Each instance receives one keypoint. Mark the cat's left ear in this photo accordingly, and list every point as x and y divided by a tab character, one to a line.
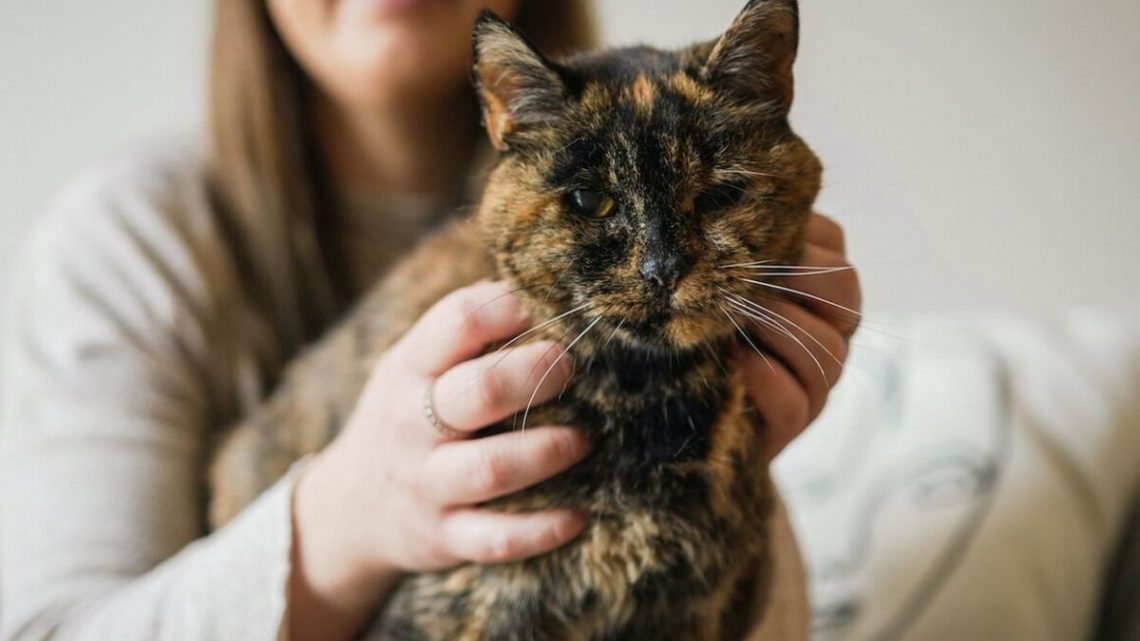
753	59
518	87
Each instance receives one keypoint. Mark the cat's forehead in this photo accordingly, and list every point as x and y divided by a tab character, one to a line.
649	138
640	112
636	76
621	66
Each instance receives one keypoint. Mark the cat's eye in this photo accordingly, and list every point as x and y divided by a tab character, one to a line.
720	196
590	203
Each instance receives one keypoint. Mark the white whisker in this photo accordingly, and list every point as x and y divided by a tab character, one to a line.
771	266
768	269
761	316
540	326
802	293
745	172
788	272
746	337
795	325
550	369
749	264
617	329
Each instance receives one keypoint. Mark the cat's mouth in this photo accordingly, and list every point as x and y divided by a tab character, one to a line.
668	328
685	319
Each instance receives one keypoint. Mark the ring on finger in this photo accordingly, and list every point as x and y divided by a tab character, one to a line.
441	428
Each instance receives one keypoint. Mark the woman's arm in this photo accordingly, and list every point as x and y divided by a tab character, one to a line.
105	415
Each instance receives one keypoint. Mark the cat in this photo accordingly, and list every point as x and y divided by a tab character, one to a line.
631	185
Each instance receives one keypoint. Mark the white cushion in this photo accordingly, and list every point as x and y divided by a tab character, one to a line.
969	478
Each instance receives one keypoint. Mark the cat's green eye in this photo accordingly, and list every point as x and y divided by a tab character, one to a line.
590	203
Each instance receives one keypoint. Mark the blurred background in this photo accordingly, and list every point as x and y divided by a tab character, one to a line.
981	153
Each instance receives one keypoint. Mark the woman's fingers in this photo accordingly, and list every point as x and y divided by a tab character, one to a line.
485	390
778	397
484	536
818	310
811	347
466	472
460	326
822	230
835	296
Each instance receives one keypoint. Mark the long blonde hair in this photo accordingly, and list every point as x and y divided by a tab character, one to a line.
266	176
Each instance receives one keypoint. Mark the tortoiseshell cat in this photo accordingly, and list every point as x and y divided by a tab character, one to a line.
629	182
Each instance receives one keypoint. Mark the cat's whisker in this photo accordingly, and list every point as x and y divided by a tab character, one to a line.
799	267
747	338
550	369
708	351
746	172
610	338
501	296
755	316
572	142
758	272
605	344
747	264
797	292
865	324
786	272
765	268
544	324
541	326
554	286
781	330
846	367
764	319
739	189
779	316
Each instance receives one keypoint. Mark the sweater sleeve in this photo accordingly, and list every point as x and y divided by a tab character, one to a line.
106	416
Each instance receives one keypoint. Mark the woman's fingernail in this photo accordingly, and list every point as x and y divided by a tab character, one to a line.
567	364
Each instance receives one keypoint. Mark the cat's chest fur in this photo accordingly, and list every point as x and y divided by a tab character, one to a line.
679	499
655	419
655	408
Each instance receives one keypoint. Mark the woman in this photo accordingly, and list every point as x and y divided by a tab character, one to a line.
166	290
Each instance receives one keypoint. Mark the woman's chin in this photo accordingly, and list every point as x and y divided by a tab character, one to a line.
390	8
393	61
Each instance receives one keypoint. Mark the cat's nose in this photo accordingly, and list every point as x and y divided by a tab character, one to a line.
663	271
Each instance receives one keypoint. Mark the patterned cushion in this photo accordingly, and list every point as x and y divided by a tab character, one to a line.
970	478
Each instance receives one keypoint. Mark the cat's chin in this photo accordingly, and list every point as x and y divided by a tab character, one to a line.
674	334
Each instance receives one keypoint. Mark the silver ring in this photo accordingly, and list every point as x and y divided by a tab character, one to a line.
441	428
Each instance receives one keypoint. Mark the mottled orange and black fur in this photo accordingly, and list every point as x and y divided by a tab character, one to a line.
691	157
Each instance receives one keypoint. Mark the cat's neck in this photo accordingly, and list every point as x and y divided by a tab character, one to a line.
649	375
660	405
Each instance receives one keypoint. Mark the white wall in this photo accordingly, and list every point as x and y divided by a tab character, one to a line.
80	79
980	152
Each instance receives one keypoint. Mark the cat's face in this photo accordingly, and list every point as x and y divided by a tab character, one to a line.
633	180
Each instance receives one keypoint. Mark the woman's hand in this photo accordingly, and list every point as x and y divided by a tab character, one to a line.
393	494
788	389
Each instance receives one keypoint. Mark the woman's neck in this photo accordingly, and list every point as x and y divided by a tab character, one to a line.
407	146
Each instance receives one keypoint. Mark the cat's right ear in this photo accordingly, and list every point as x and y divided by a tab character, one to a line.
518	87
